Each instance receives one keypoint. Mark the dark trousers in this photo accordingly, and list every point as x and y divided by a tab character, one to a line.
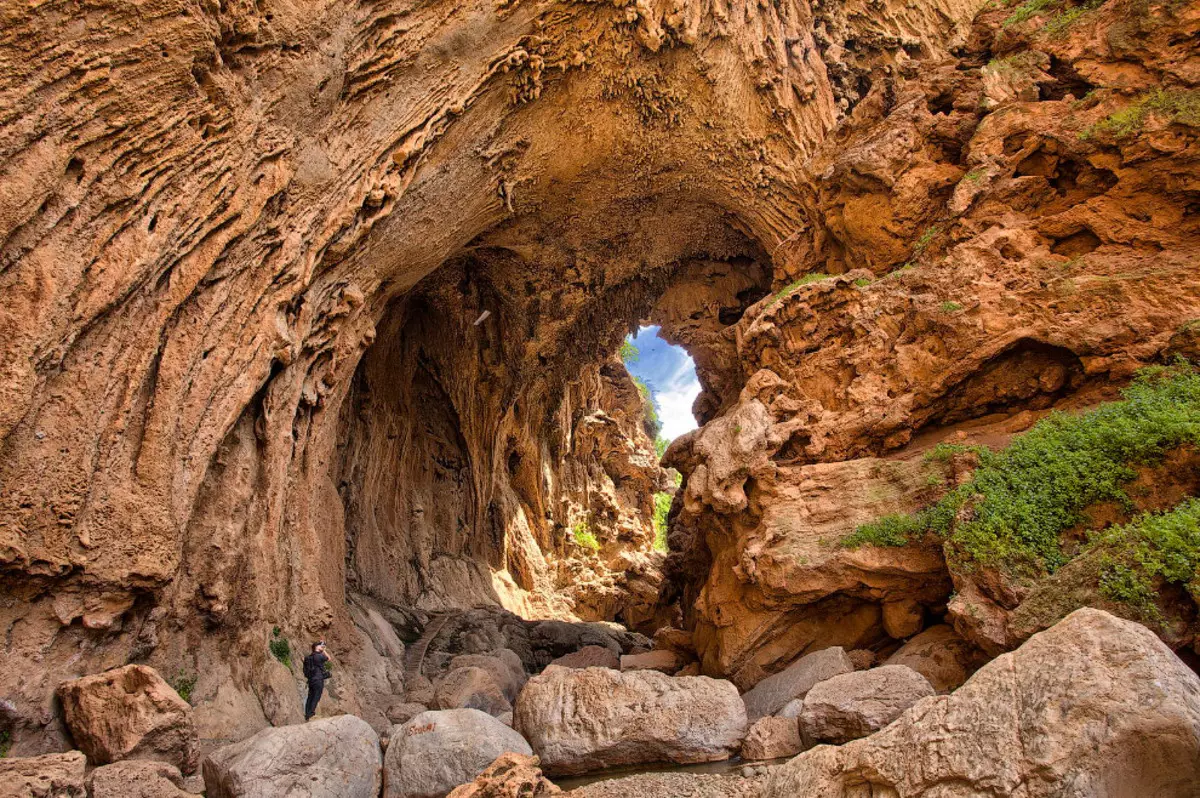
315	688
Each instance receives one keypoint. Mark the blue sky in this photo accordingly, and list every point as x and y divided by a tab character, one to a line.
671	374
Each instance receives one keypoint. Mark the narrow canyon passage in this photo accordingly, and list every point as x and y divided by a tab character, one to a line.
709	350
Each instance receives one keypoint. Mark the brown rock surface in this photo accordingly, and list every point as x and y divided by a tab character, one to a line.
661	660
854	705
1096	705
589	657
130	713
773	693
46	776
132	779
510	776
941	656
471	688
583	720
772	738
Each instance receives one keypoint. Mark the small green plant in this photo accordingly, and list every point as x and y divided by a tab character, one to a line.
927	236
280	648
945	452
1180	106
5	743
891	530
629	352
975	175
662	506
184	684
660	445
791	287
862	282
584	536
949	307
1026	11
649	407
934	481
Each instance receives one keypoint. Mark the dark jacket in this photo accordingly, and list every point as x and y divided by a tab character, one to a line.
314	666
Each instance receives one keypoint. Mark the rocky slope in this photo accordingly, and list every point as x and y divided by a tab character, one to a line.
310	311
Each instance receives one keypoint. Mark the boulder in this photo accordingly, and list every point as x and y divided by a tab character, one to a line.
854	705
772	738
791	709
1093	707
137	779
471	688
676	640
504	666
941	656
661	660
329	758
437	751
49	776
902	619
589	657
583	720
862	658
772	693
510	776
130	713
403	711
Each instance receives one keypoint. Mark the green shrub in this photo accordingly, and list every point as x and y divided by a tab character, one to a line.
5	743
584	536
1021	499
1026	11
662	506
949	307
184	685
629	352
862	282
280	648
649	407
1180	105
788	289
1154	545
660	446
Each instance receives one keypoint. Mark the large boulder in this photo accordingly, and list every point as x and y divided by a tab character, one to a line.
137	779
854	705
772	738
49	776
941	656
329	758
130	713
582	720
503	665
471	688
774	692
1095	707
510	776
437	751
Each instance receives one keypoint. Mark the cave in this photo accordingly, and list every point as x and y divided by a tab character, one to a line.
313	318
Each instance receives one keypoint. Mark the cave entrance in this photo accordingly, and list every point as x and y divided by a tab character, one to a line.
666	374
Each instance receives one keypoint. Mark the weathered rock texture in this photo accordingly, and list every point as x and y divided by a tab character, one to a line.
590	719
322	758
1095	706
435	752
130	713
775	692
772	738
854	705
133	779
47	776
510	776
309	304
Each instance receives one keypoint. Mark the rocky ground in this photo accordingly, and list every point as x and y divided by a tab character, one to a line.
674	785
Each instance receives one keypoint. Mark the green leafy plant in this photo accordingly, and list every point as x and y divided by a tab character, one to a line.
629	352
1177	105
975	175
280	648
5	743
584	536
1019	500
184	684
660	445
791	287
1061	22
1026	11
949	307
649	407
662	506
861	282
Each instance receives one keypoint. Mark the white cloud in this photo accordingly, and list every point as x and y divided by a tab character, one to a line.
675	399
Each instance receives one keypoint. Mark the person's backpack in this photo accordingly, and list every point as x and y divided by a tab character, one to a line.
311	671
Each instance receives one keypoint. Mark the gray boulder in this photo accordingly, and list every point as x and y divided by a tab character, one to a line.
471	688
583	720
503	665
330	758
437	751
137	779
774	692
854	705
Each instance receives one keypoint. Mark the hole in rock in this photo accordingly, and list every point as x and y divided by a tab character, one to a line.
667	375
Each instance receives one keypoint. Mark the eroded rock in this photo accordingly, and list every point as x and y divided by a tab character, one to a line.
471	688
583	720
773	693
941	656
47	776
772	738
510	776
856	704
1094	706
130	713
137	779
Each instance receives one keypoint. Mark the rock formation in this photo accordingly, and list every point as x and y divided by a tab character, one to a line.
311	310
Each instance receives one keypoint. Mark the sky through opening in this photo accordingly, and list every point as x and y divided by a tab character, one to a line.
671	375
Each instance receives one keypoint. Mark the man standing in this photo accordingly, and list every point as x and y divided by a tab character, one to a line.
314	670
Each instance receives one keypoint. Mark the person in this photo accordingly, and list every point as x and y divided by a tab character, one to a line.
316	673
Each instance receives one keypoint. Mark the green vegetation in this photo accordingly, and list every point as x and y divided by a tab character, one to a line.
280	648
861	282
1026	11
1063	20
5	743
1019	500
1153	546
788	289
975	175
185	684
584	536
949	307
1178	105
662	506
660	445
629	352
